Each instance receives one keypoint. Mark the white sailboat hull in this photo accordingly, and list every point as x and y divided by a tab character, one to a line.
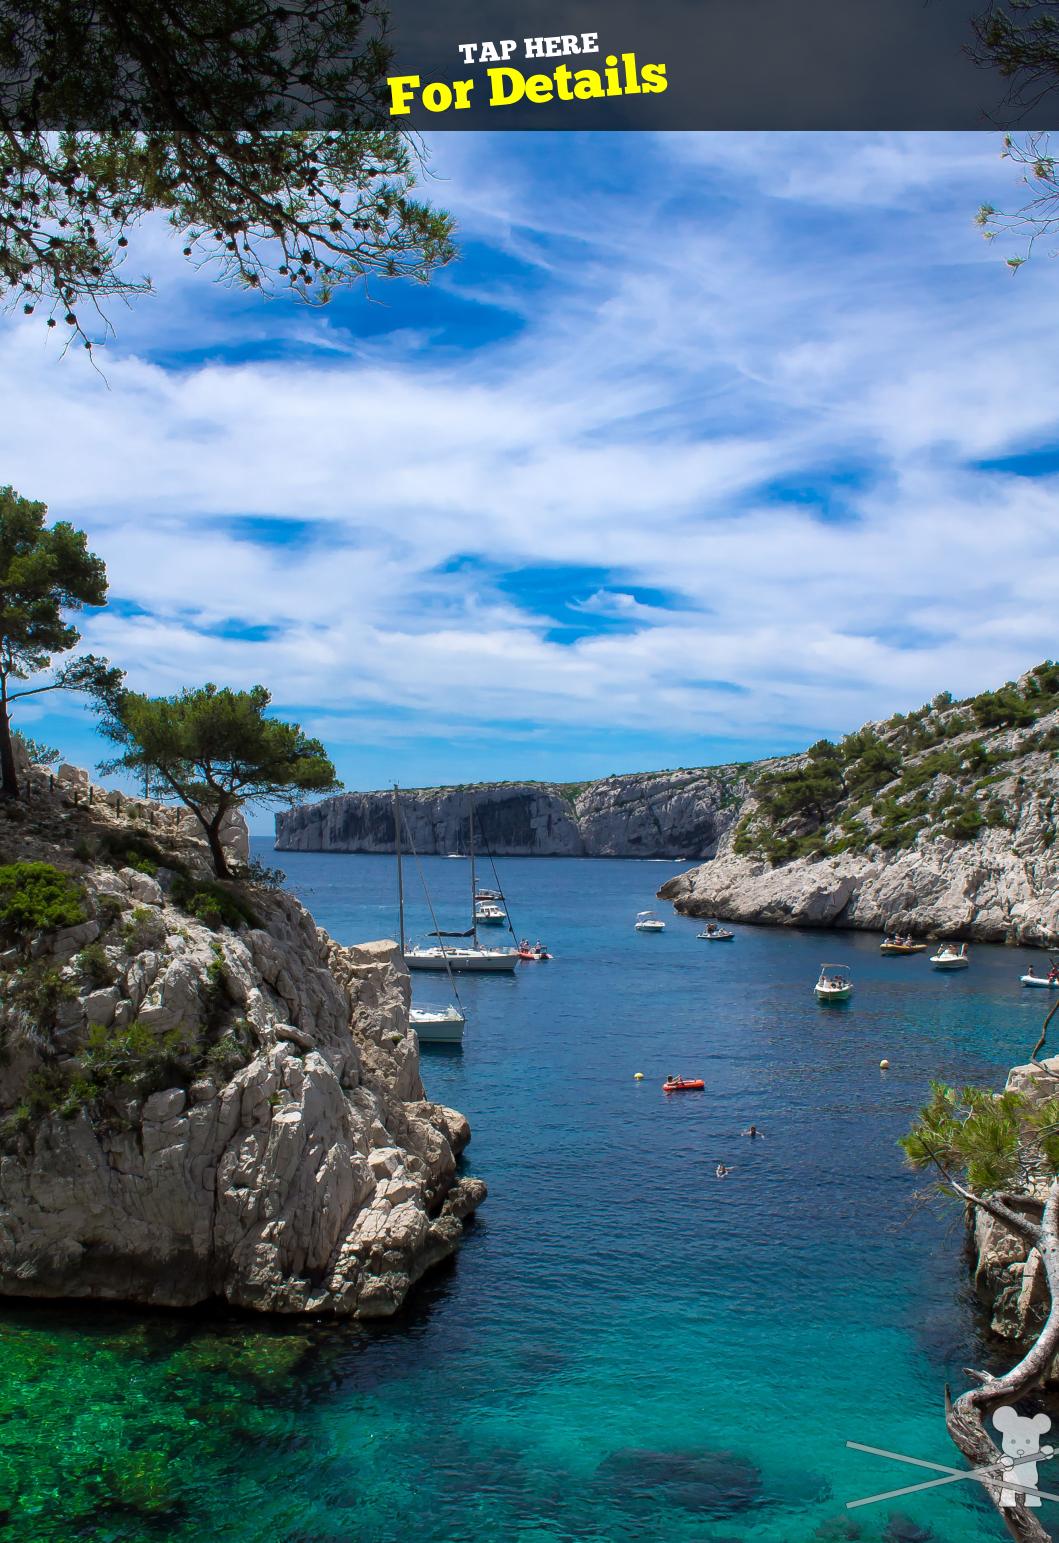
479	961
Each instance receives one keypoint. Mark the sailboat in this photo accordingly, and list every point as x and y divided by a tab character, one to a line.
471	957
432	1025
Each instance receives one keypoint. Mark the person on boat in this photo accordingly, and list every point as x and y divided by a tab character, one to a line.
1053	973
1031	973
722	1171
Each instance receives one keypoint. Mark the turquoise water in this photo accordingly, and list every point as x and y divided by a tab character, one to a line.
625	1347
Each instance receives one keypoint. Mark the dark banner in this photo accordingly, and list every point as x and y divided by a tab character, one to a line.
701	64
227	65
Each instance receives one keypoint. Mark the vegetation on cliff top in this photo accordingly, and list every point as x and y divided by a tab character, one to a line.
930	771
214	750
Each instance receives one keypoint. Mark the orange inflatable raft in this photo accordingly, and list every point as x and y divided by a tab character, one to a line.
684	1085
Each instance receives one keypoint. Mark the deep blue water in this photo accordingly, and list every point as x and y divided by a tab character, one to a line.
625	1348
615	1297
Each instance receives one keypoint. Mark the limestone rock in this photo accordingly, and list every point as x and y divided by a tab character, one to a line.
143	889
1000	886
665	814
291	1162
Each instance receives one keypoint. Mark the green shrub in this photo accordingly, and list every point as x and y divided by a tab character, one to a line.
93	963
965	822
144	929
135	1056
128	849
743	842
1045	678
224	1053
17	1122
810	790
1006	708
215	991
213	904
264	877
107	907
37	897
871	763
37	991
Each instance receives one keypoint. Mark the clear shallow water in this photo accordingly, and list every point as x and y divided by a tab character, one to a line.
625	1348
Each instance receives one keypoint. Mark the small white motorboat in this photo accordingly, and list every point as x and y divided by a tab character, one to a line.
834	984
488	914
949	957
647	921
1050	982
437	1025
715	934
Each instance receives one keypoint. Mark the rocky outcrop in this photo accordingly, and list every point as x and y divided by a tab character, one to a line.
997	885
192	1111
995	889
663	814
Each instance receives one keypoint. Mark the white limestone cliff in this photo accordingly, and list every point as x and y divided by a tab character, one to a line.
288	1159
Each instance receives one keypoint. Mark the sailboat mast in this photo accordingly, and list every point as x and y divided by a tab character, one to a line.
474	883
400	869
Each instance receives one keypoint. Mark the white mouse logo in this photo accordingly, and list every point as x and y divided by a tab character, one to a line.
1021	1438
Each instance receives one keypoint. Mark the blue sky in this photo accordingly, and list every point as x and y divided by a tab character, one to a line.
707	446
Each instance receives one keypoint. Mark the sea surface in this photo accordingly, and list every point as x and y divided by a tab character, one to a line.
625	1347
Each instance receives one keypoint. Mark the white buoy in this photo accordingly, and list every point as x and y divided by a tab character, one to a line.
884	1066
637	1076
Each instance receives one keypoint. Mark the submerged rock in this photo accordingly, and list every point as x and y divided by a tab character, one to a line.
718	1483
905	1529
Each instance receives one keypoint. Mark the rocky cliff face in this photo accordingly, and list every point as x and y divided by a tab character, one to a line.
665	814
957	839
203	1095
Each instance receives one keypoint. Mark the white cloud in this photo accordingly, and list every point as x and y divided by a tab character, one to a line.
728	315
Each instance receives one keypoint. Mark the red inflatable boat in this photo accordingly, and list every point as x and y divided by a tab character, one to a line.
684	1085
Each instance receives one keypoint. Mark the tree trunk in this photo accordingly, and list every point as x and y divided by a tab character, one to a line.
220	862
9	780
964	1418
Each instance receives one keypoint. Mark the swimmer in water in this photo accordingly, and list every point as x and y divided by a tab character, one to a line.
722	1171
